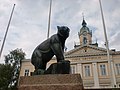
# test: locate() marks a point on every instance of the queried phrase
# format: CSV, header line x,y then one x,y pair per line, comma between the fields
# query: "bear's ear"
x,y
58,27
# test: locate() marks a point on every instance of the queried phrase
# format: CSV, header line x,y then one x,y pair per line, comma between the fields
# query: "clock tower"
x,y
85,35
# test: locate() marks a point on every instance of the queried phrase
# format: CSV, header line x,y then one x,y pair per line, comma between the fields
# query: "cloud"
x,y
30,20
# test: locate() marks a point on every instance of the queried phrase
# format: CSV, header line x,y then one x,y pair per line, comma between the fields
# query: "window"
x,y
118,69
103,69
119,85
84,40
26,72
87,71
73,69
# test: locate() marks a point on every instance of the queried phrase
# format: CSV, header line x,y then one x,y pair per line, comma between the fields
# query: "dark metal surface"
x,y
50,47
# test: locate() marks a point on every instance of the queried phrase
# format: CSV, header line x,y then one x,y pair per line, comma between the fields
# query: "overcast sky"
x,y
29,24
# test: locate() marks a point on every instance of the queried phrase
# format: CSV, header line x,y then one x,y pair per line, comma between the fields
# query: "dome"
x,y
84,28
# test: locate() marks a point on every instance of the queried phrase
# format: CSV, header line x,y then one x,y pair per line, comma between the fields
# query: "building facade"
x,y
90,61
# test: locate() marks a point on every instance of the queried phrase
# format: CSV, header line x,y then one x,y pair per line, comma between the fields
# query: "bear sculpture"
x,y
50,47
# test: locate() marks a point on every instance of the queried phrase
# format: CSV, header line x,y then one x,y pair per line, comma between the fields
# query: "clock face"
x,y
84,33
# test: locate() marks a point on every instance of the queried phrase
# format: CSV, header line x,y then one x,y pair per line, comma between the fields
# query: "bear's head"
x,y
63,31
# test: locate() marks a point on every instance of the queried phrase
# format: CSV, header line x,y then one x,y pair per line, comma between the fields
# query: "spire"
x,y
83,23
96,40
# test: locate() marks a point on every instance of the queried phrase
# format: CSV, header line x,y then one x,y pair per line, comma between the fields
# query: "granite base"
x,y
51,82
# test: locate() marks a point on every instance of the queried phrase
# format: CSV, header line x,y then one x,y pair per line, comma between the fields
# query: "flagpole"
x,y
49,19
113,82
6,31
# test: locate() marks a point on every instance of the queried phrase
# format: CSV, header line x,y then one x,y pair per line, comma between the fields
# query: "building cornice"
x,y
93,47
87,55
26,60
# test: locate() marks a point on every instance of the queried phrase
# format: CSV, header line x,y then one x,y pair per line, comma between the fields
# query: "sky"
x,y
29,24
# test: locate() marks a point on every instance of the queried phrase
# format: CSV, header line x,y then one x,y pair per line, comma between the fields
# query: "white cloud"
x,y
30,19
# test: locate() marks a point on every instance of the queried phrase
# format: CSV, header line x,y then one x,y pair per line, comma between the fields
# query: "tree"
x,y
14,60
5,76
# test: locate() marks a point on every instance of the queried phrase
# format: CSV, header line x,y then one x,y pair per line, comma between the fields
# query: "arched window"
x,y
84,40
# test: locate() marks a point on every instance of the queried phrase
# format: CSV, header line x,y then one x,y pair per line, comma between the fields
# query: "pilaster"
x,y
95,75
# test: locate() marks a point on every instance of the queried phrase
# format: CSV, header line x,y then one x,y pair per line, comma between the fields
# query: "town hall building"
x,y
88,60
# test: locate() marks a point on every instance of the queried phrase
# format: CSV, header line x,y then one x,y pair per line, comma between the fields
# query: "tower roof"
x,y
84,27
84,23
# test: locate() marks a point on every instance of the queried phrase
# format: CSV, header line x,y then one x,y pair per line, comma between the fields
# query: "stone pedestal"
x,y
62,67
51,82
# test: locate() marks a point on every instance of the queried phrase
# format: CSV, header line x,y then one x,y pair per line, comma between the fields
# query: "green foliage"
x,y
14,59
5,76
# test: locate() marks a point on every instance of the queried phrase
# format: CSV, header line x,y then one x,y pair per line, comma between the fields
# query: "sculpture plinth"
x,y
51,82
62,67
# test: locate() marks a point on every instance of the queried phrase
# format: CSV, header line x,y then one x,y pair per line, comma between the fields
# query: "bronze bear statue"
x,y
50,47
